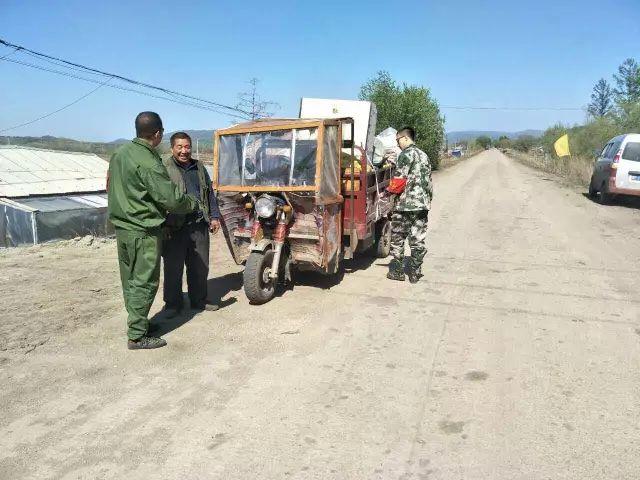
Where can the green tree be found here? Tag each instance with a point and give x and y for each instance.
(584, 140)
(587, 140)
(524, 143)
(629, 118)
(503, 142)
(628, 82)
(407, 105)
(484, 141)
(383, 91)
(601, 99)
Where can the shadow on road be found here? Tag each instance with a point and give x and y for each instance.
(405, 263)
(360, 262)
(326, 282)
(217, 289)
(625, 201)
(220, 287)
(160, 325)
(316, 279)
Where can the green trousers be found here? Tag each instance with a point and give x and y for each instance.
(139, 260)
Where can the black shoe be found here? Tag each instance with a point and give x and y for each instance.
(392, 275)
(414, 276)
(395, 271)
(209, 307)
(145, 343)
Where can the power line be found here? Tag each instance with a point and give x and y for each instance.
(9, 54)
(75, 66)
(469, 107)
(58, 110)
(59, 64)
(120, 87)
(190, 100)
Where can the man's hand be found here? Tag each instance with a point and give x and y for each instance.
(214, 226)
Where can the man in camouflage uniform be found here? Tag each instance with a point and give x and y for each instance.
(409, 219)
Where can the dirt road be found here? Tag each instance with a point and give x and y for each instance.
(516, 357)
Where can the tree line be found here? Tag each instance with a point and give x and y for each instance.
(401, 105)
(523, 143)
(614, 109)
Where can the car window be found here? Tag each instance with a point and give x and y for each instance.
(605, 150)
(614, 149)
(632, 152)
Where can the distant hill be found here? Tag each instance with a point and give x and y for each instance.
(453, 137)
(206, 136)
(203, 136)
(104, 149)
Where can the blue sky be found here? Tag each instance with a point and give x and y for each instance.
(500, 53)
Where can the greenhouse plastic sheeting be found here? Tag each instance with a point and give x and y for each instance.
(16, 227)
(42, 219)
(330, 177)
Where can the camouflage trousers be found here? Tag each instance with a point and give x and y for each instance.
(409, 227)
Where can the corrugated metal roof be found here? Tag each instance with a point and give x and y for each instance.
(28, 171)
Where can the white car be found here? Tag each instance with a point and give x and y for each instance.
(617, 169)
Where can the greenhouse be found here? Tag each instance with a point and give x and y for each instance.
(49, 195)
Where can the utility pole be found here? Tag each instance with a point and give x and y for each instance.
(197, 150)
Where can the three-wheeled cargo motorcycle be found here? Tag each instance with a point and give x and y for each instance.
(297, 194)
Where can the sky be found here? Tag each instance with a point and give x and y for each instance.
(542, 54)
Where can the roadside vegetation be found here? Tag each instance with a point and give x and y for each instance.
(468, 148)
(614, 110)
(407, 105)
(448, 161)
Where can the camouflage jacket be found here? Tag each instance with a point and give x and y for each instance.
(413, 164)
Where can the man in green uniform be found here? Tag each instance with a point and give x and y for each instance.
(410, 216)
(140, 196)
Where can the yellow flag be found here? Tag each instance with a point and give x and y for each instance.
(562, 146)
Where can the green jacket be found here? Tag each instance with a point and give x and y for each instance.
(414, 165)
(140, 190)
(175, 220)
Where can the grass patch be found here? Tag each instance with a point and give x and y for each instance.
(575, 170)
(448, 162)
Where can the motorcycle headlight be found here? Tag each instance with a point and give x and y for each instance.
(265, 207)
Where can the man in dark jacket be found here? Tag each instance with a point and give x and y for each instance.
(140, 195)
(187, 236)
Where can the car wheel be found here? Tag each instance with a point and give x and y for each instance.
(592, 190)
(605, 196)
